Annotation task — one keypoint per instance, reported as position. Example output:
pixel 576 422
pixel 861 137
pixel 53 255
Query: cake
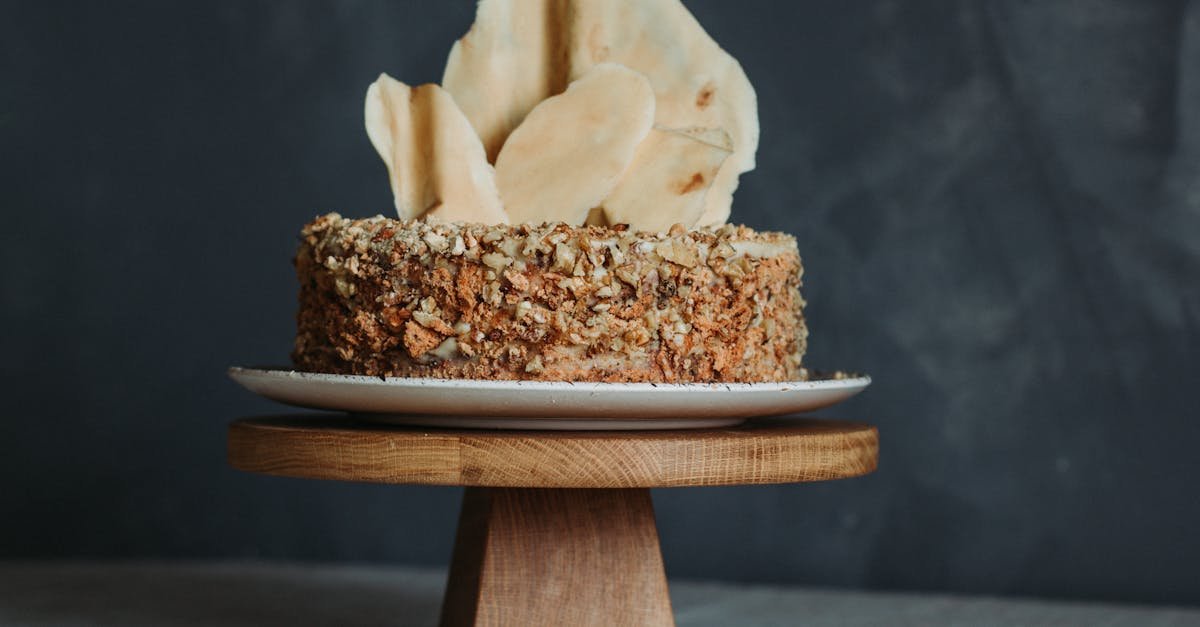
pixel 561 204
pixel 552 302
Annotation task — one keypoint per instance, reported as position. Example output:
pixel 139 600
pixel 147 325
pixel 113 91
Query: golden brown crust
pixel 552 302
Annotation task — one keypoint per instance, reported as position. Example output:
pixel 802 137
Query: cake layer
pixel 551 302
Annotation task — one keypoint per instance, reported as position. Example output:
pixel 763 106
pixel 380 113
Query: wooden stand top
pixel 781 450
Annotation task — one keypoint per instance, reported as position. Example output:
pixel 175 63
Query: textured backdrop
pixel 998 205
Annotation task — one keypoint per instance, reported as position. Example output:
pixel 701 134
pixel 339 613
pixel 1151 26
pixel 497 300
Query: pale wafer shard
pixel 513 57
pixel 521 51
pixel 435 161
pixel 668 179
pixel 571 150
pixel 696 83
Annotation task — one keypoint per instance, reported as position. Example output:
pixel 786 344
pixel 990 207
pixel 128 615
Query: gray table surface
pixel 225 593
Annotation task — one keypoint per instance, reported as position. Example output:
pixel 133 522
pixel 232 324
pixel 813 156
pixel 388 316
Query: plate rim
pixel 855 380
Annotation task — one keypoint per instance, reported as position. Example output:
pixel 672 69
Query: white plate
pixel 545 404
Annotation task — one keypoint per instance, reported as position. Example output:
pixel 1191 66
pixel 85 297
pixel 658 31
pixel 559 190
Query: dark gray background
pixel 998 205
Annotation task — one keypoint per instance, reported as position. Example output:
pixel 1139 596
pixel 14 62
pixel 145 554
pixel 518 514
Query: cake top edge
pixel 374 226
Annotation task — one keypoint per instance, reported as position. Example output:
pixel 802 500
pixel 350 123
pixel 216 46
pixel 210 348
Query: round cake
pixel 550 302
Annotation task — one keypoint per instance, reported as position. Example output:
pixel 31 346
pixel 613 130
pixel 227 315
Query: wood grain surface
pixel 530 556
pixel 782 450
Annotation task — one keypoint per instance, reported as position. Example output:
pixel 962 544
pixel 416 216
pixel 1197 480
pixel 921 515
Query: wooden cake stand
pixel 557 527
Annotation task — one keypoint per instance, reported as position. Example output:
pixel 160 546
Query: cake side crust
pixel 384 297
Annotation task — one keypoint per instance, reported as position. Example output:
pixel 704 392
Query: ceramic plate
pixel 543 404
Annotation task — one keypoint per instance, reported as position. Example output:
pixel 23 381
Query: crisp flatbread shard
pixel 521 51
pixel 570 151
pixel 696 83
pixel 514 57
pixel 435 161
pixel 668 179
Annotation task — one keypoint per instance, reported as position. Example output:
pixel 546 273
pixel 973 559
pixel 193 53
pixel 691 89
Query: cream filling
pixel 759 250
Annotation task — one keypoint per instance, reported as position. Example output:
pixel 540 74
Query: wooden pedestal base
pixel 556 528
pixel 527 556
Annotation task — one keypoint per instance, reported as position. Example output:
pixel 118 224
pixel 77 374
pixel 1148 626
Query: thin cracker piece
pixel 513 58
pixel 668 179
pixel 696 83
pixel 571 150
pixel 521 51
pixel 435 161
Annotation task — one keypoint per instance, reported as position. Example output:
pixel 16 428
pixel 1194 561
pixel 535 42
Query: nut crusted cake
pixel 550 302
